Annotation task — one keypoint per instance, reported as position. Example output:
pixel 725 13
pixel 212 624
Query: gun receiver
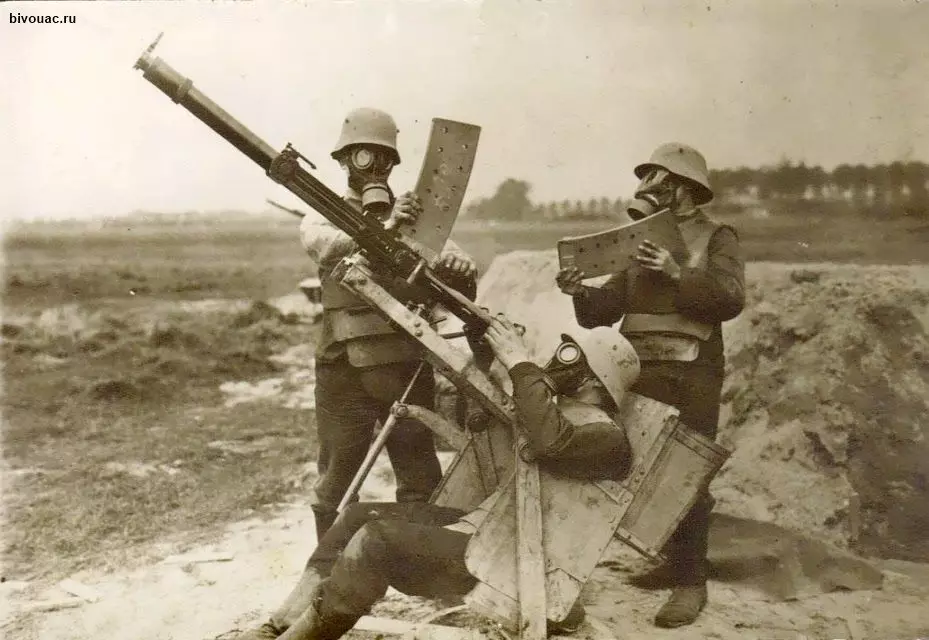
pixel 384 249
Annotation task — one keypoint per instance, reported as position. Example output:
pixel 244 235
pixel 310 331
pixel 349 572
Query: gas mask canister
pixel 368 168
pixel 567 370
pixel 656 191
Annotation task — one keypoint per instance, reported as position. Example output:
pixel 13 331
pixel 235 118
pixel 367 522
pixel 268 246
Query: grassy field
pixel 112 407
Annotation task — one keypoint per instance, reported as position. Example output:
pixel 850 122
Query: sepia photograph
pixel 464 320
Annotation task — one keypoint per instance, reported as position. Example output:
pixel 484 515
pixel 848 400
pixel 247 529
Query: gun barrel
pixel 182 91
pixel 283 167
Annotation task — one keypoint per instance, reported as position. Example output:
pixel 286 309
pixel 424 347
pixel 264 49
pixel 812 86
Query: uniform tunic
pixel 709 293
pixel 358 379
pixel 419 549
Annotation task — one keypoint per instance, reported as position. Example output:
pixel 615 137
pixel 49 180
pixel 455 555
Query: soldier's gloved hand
pixel 455 264
pixel 406 210
pixel 655 258
pixel 569 280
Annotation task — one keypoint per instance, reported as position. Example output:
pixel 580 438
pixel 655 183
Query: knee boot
pixel 314 625
pixel 300 599
pixel 324 517
pixel 689 595
pixel 685 552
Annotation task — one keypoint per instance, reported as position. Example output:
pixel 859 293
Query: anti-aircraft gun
pixel 388 252
pixel 529 568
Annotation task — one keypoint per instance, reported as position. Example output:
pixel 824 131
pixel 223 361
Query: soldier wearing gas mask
pixel 362 363
pixel 672 310
pixel 567 412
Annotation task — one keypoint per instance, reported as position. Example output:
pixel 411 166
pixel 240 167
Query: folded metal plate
pixel 442 182
pixel 614 250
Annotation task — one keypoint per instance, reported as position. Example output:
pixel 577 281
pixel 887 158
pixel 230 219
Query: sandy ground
pixel 202 600
pixel 190 600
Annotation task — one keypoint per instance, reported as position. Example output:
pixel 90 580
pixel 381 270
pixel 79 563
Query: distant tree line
pixel 898 188
pixel 512 202
pixel 888 186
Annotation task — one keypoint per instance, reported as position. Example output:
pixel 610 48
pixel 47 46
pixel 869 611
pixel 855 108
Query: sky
pixel 570 96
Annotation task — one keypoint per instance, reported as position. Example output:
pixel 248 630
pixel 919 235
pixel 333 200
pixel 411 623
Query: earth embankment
pixel 826 401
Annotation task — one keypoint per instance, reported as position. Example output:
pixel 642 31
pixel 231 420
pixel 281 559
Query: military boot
pixel 682 608
pixel 323 518
pixel 313 625
pixel 297 601
pixel 290 611
pixel 689 569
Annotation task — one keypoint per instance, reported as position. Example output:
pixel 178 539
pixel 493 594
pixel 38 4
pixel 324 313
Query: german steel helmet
pixel 371 126
pixel 683 161
pixel 612 359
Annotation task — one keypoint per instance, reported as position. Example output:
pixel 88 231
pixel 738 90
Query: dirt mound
pixel 826 401
pixel 521 284
pixel 829 383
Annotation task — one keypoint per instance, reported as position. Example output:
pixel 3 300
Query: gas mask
pixel 567 370
pixel 656 191
pixel 368 168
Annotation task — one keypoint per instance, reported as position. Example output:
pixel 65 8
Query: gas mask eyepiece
pixel 567 368
pixel 368 169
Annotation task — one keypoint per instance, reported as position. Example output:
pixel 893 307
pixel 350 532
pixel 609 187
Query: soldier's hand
pixel 406 210
pixel 456 264
pixel 569 280
pixel 507 341
pixel 656 258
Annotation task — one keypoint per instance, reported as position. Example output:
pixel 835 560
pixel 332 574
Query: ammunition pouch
pixel 374 350
pixel 369 338
pixel 665 323
pixel 358 322
pixel 665 336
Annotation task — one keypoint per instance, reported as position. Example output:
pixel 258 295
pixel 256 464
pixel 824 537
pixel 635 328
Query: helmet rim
pixel 367 125
pixel 684 162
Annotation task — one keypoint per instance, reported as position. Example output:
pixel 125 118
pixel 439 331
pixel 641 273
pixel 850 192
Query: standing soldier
pixel 362 363
pixel 673 309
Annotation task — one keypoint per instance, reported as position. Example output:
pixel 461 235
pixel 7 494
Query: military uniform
pixel 676 328
pixel 362 366
pixel 420 549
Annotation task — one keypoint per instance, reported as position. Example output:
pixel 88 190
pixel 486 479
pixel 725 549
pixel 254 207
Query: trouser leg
pixel 411 445
pixel 345 417
pixel 352 519
pixel 695 391
pixel 688 546
pixel 416 559
pixel 355 516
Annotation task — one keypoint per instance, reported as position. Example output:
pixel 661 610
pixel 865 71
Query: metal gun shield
pixel 442 182
pixel 614 250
